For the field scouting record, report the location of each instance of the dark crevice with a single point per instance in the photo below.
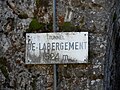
(117, 62)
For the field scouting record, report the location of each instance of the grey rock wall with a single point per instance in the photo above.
(98, 17)
(111, 81)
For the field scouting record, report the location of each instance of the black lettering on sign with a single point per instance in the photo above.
(57, 56)
(55, 37)
(76, 45)
(60, 46)
(53, 45)
(57, 46)
(48, 46)
(54, 56)
(81, 45)
(46, 56)
(71, 46)
(33, 46)
(65, 57)
(66, 45)
(51, 56)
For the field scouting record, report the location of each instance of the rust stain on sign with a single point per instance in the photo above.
(56, 48)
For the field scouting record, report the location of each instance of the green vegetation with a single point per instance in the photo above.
(4, 71)
(67, 27)
(3, 67)
(82, 22)
(35, 25)
(41, 3)
(38, 2)
(3, 61)
(33, 84)
(23, 16)
(50, 26)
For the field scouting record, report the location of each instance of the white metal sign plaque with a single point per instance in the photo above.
(56, 48)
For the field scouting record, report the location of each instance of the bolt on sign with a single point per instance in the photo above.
(56, 48)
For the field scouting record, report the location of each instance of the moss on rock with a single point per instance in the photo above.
(67, 27)
(3, 67)
(33, 84)
(41, 3)
(23, 16)
(35, 25)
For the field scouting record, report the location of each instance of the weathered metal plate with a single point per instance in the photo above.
(56, 48)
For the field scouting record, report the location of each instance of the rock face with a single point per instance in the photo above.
(98, 17)
(112, 61)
